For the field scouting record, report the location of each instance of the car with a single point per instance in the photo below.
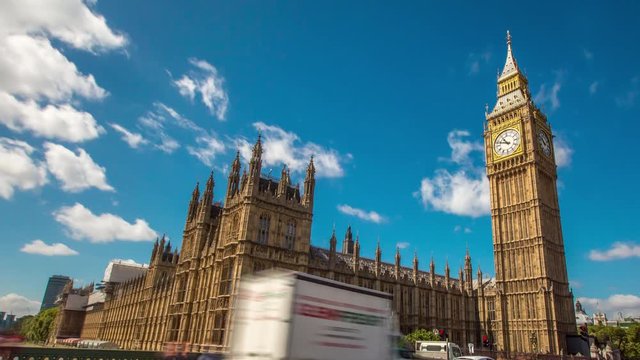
(474, 357)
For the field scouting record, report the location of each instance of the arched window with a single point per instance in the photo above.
(263, 232)
(290, 235)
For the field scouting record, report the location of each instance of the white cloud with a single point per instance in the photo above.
(133, 139)
(38, 83)
(371, 216)
(464, 191)
(593, 87)
(461, 149)
(17, 169)
(70, 21)
(627, 304)
(77, 172)
(619, 250)
(62, 122)
(206, 81)
(459, 193)
(208, 148)
(129, 262)
(587, 54)
(403, 245)
(81, 223)
(31, 67)
(545, 96)
(281, 146)
(39, 247)
(563, 152)
(19, 305)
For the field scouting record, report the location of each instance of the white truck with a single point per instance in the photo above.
(437, 350)
(292, 315)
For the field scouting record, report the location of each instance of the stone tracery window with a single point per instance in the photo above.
(290, 235)
(263, 230)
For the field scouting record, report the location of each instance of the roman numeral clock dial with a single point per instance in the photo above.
(507, 142)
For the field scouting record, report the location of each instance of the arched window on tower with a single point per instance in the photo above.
(263, 232)
(290, 235)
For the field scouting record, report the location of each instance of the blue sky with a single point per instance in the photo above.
(112, 111)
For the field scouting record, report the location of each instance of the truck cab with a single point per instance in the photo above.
(437, 350)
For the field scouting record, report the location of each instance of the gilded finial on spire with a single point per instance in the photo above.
(508, 38)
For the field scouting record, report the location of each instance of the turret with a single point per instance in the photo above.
(356, 255)
(285, 180)
(397, 267)
(378, 258)
(447, 274)
(207, 199)
(154, 252)
(309, 185)
(193, 204)
(255, 166)
(347, 243)
(333, 241)
(461, 278)
(432, 272)
(480, 289)
(415, 267)
(468, 272)
(233, 185)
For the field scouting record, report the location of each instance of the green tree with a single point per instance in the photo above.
(420, 335)
(38, 328)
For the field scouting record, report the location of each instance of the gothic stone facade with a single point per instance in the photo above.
(188, 297)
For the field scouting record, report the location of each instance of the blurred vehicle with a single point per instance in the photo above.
(291, 315)
(438, 350)
(10, 339)
(473, 357)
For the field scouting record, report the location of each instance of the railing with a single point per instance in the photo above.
(59, 353)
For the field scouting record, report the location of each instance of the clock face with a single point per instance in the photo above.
(545, 143)
(507, 142)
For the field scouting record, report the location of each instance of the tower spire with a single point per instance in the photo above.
(510, 65)
(309, 184)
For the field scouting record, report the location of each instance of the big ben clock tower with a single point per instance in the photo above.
(533, 303)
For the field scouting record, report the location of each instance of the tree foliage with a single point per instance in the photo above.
(38, 328)
(421, 335)
(627, 340)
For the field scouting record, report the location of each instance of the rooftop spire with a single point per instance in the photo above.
(510, 65)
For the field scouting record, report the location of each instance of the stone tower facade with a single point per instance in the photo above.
(532, 310)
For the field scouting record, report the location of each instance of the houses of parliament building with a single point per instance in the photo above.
(187, 296)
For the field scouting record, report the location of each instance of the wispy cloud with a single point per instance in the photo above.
(39, 247)
(619, 250)
(365, 215)
(403, 245)
(628, 98)
(133, 139)
(476, 60)
(563, 151)
(462, 229)
(588, 55)
(593, 87)
(204, 80)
